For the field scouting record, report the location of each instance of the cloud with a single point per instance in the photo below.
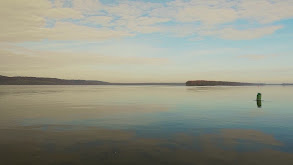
(206, 15)
(246, 34)
(21, 58)
(257, 56)
(26, 20)
(87, 6)
(181, 30)
(210, 17)
(63, 13)
(78, 65)
(214, 51)
(222, 11)
(150, 20)
(140, 24)
(266, 11)
(102, 20)
(69, 31)
(22, 20)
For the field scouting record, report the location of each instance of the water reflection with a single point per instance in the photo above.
(258, 103)
(144, 125)
(80, 145)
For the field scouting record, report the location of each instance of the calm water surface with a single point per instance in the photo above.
(145, 125)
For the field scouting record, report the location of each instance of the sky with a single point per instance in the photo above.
(148, 40)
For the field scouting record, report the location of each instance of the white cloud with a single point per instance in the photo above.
(69, 31)
(257, 56)
(181, 30)
(17, 58)
(102, 20)
(87, 6)
(150, 20)
(63, 13)
(266, 11)
(26, 20)
(206, 15)
(247, 34)
(22, 21)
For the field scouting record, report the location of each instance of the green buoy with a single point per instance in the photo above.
(258, 96)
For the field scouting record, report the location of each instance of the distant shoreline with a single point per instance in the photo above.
(5, 80)
(220, 83)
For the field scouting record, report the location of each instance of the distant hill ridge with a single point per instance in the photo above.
(4, 80)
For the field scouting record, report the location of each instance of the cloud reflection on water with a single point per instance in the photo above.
(146, 124)
(90, 145)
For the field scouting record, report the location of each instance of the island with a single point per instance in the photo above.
(287, 84)
(219, 83)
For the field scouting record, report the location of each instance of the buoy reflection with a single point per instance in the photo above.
(258, 103)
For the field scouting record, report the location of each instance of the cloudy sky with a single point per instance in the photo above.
(148, 40)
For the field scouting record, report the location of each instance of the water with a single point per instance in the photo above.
(145, 125)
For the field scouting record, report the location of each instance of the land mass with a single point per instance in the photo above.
(5, 80)
(287, 84)
(219, 83)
